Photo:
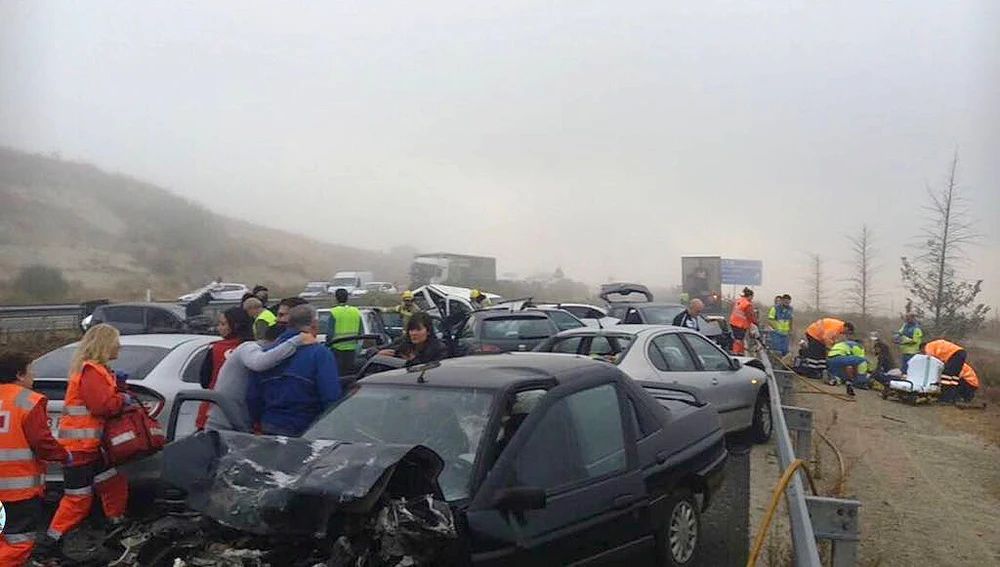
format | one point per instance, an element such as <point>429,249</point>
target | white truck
<point>350,281</point>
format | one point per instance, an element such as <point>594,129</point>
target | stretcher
<point>920,383</point>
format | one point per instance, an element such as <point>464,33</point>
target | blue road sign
<point>742,272</point>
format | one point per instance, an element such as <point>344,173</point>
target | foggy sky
<point>605,138</point>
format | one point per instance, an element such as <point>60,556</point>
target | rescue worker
<point>963,389</point>
<point>261,293</point>
<point>779,318</point>
<point>820,337</point>
<point>479,299</point>
<point>25,442</point>
<point>741,319</point>
<point>345,321</point>
<point>846,363</point>
<point>407,308</point>
<point>91,397</point>
<point>952,355</point>
<point>262,318</point>
<point>908,337</point>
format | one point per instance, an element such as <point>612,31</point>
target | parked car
<point>540,460</point>
<point>501,330</point>
<point>591,315</point>
<point>315,289</point>
<point>139,318</point>
<point>158,367</point>
<point>375,287</point>
<point>219,292</point>
<point>656,354</point>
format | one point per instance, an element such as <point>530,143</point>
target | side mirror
<point>735,364</point>
<point>520,499</point>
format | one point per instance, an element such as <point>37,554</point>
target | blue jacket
<point>294,393</point>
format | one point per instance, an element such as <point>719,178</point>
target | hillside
<point>116,236</point>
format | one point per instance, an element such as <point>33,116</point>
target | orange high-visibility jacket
<point>742,315</point>
<point>825,330</point>
<point>78,429</point>
<point>969,375</point>
<point>22,476</point>
<point>941,349</point>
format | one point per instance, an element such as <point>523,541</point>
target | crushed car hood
<point>277,485</point>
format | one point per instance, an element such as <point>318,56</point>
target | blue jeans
<point>836,364</point>
<point>778,342</point>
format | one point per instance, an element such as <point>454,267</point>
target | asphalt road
<point>726,523</point>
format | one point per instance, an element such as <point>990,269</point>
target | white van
<point>350,281</point>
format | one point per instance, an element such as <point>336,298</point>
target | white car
<point>591,315</point>
<point>375,287</point>
<point>315,289</point>
<point>219,291</point>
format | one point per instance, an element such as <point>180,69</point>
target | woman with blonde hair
<point>92,396</point>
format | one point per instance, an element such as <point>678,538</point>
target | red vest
<point>78,429</point>
<point>220,352</point>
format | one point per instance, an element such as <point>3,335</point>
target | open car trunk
<point>619,292</point>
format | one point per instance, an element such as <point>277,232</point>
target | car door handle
<point>715,381</point>
<point>623,501</point>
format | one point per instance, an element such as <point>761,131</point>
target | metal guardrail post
<point>836,519</point>
<point>803,541</point>
<point>800,420</point>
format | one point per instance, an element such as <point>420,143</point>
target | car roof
<point>532,312</point>
<point>163,340</point>
<point>638,304</point>
<point>618,330</point>
<point>494,371</point>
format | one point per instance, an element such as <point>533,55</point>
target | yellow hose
<point>779,489</point>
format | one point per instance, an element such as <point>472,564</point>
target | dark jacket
<point>293,394</point>
<point>432,350</point>
<point>684,318</point>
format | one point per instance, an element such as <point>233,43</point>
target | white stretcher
<point>922,379</point>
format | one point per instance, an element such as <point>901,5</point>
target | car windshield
<point>660,314</point>
<point>517,328</point>
<point>345,281</point>
<point>448,420</point>
<point>137,361</point>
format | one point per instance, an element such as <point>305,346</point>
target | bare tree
<point>931,276</point>
<point>814,280</point>
<point>863,268</point>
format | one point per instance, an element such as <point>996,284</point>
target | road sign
<point>742,272</point>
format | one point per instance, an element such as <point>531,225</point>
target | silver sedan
<point>673,355</point>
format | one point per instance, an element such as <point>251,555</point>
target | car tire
<point>763,422</point>
<point>679,538</point>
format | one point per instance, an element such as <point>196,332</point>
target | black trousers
<point>345,361</point>
<point>954,364</point>
<point>813,358</point>
<point>23,516</point>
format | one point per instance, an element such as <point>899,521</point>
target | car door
<point>673,363</point>
<point>735,394</point>
<point>577,448</point>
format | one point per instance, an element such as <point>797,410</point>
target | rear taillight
<point>152,402</point>
<point>489,348</point>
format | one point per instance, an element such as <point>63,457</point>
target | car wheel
<point>680,537</point>
<point>762,424</point>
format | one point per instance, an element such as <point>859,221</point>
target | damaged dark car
<point>491,460</point>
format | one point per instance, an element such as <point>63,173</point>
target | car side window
<point>565,321</point>
<point>617,312</point>
<point>469,330</point>
<point>127,314</point>
<point>674,353</point>
<point>160,319</point>
<point>569,345</point>
<point>710,356</point>
<point>585,429</point>
<point>192,372</point>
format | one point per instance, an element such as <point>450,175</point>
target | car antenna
<point>422,368</point>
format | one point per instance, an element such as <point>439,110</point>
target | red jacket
<point>39,434</point>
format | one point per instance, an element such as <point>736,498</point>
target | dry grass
<point>36,343</point>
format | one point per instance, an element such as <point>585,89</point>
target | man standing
<point>345,321</point>
<point>779,318</point>
<point>909,337</point>
<point>741,319</point>
<point>25,442</point>
<point>288,398</point>
<point>690,317</point>
<point>262,318</point>
<point>407,308</point>
<point>820,337</point>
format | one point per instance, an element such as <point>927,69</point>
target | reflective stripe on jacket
<point>780,319</point>
<point>910,337</point>
<point>22,476</point>
<point>741,316</point>
<point>79,430</point>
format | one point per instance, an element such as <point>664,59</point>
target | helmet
<point>407,295</point>
<point>475,294</point>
